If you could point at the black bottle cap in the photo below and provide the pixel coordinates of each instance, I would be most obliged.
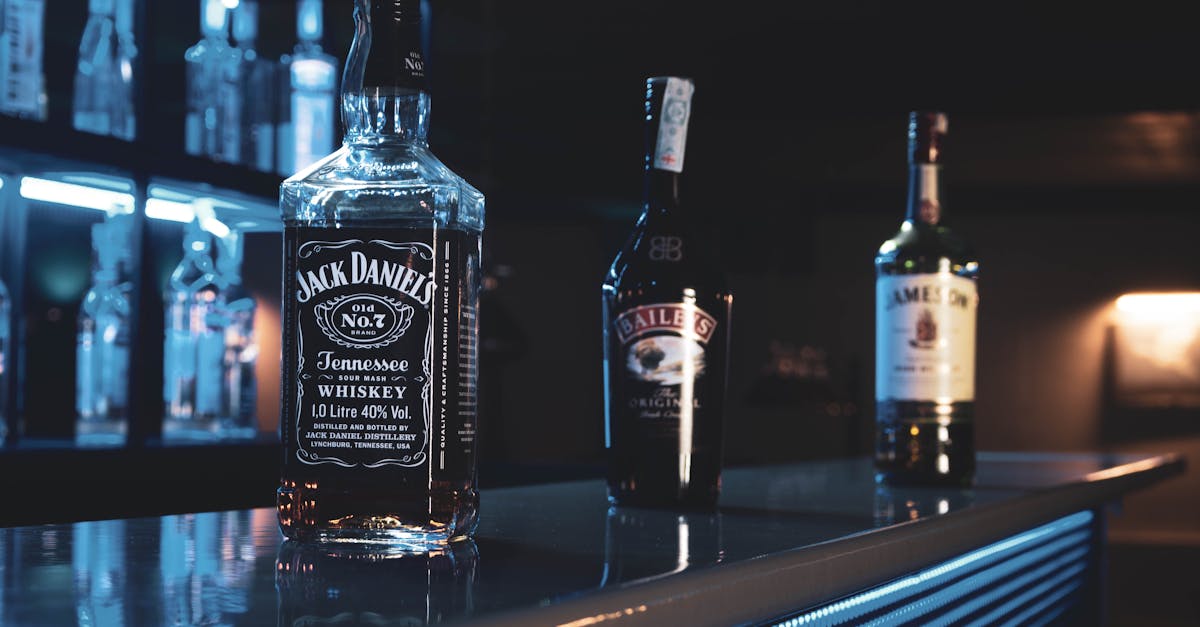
(394, 58)
(926, 134)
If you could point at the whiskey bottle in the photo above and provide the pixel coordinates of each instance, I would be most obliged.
(926, 301)
(666, 317)
(382, 248)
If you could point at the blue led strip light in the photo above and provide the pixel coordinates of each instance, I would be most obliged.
(894, 592)
(962, 589)
(1063, 579)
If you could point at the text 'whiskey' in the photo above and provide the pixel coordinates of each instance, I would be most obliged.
(381, 289)
(666, 317)
(925, 315)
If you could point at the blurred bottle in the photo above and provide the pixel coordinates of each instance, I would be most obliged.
(22, 79)
(194, 337)
(5, 347)
(239, 417)
(99, 571)
(103, 342)
(230, 98)
(203, 66)
(256, 91)
(375, 584)
(206, 564)
(306, 116)
(104, 72)
(642, 543)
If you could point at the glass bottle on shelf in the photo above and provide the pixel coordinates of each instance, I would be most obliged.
(230, 98)
(256, 89)
(194, 338)
(239, 418)
(203, 69)
(122, 113)
(307, 101)
(23, 92)
(95, 70)
(392, 456)
(5, 348)
(103, 96)
(102, 347)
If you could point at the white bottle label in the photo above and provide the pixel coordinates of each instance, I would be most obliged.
(23, 85)
(925, 337)
(672, 126)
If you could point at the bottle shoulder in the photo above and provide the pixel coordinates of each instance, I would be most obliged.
(378, 182)
(658, 259)
(918, 245)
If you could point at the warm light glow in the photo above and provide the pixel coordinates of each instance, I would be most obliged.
(83, 196)
(914, 431)
(1165, 305)
(1158, 336)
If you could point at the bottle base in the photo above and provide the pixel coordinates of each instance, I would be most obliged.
(707, 501)
(923, 479)
(190, 430)
(100, 432)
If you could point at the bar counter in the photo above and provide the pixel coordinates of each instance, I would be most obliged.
(806, 543)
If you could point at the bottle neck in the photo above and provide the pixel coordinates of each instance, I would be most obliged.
(668, 109)
(662, 191)
(384, 97)
(925, 194)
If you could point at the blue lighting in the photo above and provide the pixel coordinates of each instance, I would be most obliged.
(1050, 558)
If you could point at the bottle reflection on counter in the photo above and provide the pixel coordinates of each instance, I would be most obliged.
(895, 505)
(206, 577)
(374, 584)
(644, 543)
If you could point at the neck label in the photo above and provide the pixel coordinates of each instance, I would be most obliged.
(672, 126)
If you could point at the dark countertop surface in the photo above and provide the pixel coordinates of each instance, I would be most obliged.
(785, 537)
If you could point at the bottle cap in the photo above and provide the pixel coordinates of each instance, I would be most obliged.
(926, 133)
(245, 21)
(310, 22)
(214, 17)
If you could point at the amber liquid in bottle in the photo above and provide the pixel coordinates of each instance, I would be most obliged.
(926, 303)
(666, 316)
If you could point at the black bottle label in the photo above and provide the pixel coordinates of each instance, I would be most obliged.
(375, 367)
(663, 357)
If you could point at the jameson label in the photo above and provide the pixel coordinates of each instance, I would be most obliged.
(664, 350)
(672, 126)
(374, 370)
(925, 338)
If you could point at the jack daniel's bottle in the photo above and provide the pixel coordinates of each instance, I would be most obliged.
(381, 284)
(666, 311)
(925, 332)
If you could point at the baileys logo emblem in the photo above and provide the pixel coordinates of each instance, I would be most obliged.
(362, 318)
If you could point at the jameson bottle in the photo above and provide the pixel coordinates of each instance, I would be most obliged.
(381, 285)
(666, 316)
(925, 310)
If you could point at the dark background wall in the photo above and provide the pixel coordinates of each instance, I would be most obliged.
(1073, 165)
